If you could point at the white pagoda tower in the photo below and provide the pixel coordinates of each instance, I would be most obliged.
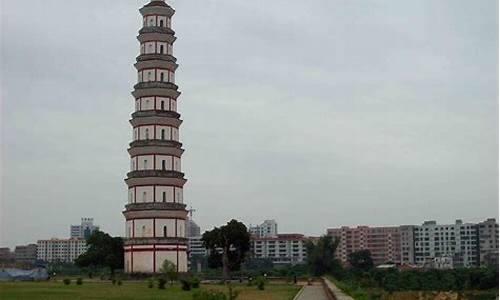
(155, 214)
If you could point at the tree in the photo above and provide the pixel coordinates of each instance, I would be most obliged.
(169, 271)
(321, 256)
(103, 251)
(227, 246)
(361, 260)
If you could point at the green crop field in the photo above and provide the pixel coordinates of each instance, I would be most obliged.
(130, 290)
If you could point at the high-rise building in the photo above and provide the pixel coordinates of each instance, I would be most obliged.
(60, 250)
(84, 230)
(26, 254)
(488, 242)
(382, 242)
(269, 228)
(155, 214)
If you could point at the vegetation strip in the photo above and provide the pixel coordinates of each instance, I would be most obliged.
(337, 294)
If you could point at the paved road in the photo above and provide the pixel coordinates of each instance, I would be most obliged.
(312, 292)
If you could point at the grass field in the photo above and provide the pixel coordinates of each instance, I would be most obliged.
(129, 291)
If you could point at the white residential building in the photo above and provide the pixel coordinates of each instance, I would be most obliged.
(60, 250)
(458, 242)
(195, 247)
(195, 244)
(84, 230)
(282, 248)
(442, 263)
(269, 228)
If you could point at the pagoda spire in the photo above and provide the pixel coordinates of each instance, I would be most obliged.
(155, 215)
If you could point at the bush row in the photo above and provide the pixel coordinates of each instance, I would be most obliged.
(424, 280)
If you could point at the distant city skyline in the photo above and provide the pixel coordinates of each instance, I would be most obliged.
(322, 113)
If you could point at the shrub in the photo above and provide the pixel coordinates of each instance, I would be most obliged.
(66, 281)
(195, 282)
(216, 295)
(260, 282)
(186, 284)
(161, 283)
(119, 282)
(209, 295)
(150, 283)
(169, 271)
(79, 281)
(232, 294)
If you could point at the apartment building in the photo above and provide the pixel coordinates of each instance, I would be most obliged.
(195, 247)
(458, 241)
(384, 243)
(84, 230)
(281, 249)
(428, 245)
(7, 257)
(26, 254)
(269, 228)
(60, 250)
(195, 244)
(407, 245)
(488, 242)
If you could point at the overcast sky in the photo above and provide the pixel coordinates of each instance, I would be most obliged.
(314, 113)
